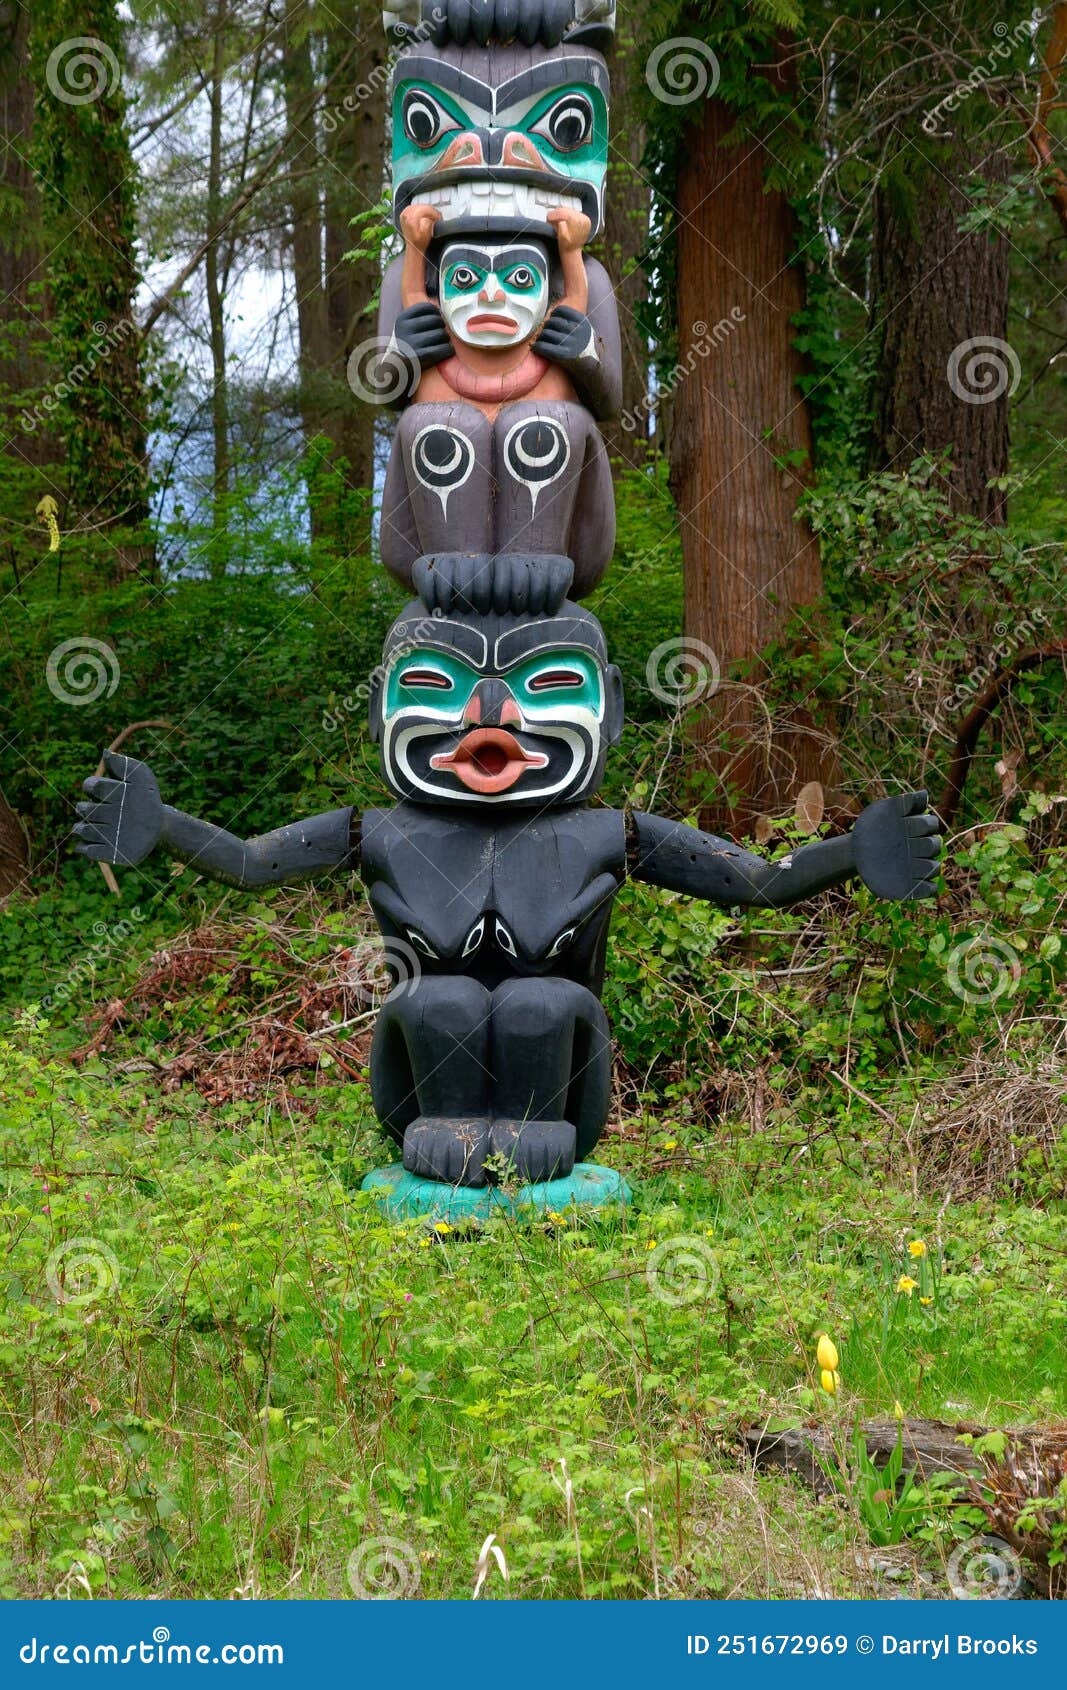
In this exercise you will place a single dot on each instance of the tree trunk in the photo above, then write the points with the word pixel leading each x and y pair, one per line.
pixel 86 180
pixel 24 366
pixel 213 267
pixel 741 445
pixel 14 852
pixel 335 172
pixel 946 372
pixel 624 240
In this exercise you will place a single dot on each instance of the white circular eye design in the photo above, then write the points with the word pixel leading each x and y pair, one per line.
pixel 568 124
pixel 474 937
pixel 563 941
pixel 503 937
pixel 442 459
pixel 536 452
pixel 424 119
pixel 523 277
pixel 464 277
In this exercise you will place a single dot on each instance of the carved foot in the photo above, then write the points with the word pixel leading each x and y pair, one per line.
pixel 534 1151
pixel 453 1151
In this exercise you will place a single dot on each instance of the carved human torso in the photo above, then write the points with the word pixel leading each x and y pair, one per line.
pixel 522 895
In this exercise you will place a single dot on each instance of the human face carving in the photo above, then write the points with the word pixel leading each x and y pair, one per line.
pixel 493 296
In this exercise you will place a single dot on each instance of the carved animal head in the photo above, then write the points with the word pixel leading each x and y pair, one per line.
pixel 495 139
pixel 497 710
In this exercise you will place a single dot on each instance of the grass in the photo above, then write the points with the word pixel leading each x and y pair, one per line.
pixel 257 1386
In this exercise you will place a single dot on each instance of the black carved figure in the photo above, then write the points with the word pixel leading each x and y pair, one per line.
pixel 494 877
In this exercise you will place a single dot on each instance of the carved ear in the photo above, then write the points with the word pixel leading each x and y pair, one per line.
pixel 616 704
pixel 374 705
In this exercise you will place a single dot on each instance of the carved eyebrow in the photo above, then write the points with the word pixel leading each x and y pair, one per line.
pixel 490 258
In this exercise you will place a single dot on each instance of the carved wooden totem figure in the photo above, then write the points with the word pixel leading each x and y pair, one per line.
pixel 491 874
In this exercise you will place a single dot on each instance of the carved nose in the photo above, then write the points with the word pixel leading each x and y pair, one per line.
pixel 465 149
pixel 492 705
pixel 520 150
pixel 491 292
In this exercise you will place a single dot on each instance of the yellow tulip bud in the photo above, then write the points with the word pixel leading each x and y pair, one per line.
pixel 898 1410
pixel 826 1355
pixel 829 1380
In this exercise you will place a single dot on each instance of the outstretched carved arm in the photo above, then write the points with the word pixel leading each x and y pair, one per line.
pixel 893 848
pixel 126 819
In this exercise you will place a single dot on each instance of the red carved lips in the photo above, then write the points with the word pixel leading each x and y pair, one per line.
pixel 488 760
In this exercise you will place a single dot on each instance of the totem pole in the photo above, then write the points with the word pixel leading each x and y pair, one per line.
pixel 495 705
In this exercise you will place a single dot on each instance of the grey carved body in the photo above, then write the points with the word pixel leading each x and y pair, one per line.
pixel 493 1044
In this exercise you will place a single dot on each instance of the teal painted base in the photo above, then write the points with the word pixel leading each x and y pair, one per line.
pixel 405 1196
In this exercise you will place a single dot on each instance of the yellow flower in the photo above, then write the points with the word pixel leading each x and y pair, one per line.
pixel 898 1410
pixel 424 1243
pixel 441 1227
pixel 829 1380
pixel 826 1355
pixel 651 1245
pixel 917 1248
pixel 926 1301
pixel 671 1144
pixel 906 1284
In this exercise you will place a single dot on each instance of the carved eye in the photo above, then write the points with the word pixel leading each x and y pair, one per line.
pixel 568 124
pixel 563 941
pixel 424 119
pixel 426 678
pixel 556 680
pixel 463 277
pixel 422 944
pixel 503 938
pixel 521 277
pixel 474 937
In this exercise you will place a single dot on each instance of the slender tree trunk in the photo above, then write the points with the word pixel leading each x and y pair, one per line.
pixel 213 268
pixel 741 444
pixel 24 365
pixel 14 852
pixel 624 240
pixel 86 179
pixel 946 372
pixel 335 173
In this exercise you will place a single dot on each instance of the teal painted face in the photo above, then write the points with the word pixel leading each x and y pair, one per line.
pixel 493 295
pixel 497 711
pixel 498 153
